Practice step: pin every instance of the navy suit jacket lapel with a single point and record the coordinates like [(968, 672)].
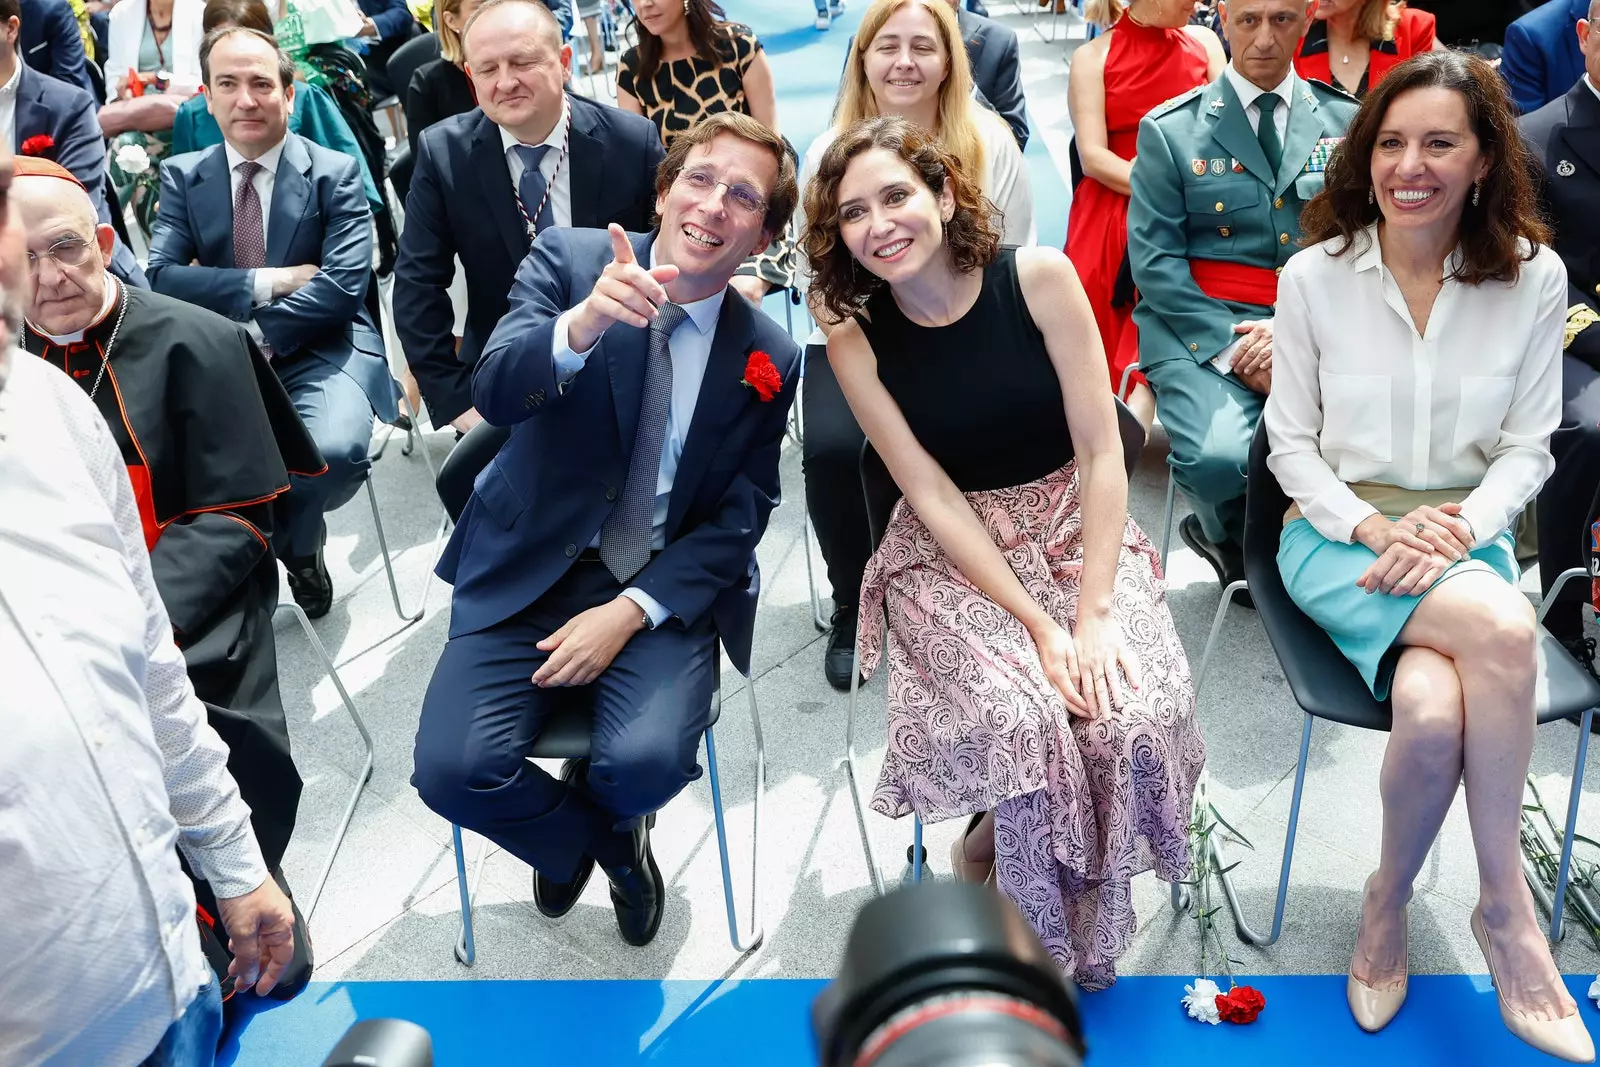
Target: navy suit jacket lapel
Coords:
[(31, 117), (291, 193), (1582, 129), (211, 202), (722, 396), (586, 158), (627, 352), (494, 179)]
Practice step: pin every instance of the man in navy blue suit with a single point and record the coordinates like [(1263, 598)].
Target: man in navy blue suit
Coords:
[(1541, 58), (52, 44), (56, 121), (594, 165), (273, 231), (612, 541)]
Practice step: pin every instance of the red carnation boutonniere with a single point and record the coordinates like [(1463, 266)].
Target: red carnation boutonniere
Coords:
[(762, 376), (40, 144), (1241, 1004)]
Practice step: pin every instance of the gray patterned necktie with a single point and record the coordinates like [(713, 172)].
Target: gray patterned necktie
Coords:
[(625, 535), (249, 235)]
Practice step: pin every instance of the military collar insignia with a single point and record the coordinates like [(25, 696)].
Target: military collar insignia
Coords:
[(1566, 169)]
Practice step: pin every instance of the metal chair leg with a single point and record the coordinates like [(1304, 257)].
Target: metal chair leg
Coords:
[(1573, 797), (466, 947), (1555, 590), (1245, 932), (916, 849), (365, 776), (388, 561), (1166, 523), (850, 772), (1216, 628), (817, 619), (741, 943)]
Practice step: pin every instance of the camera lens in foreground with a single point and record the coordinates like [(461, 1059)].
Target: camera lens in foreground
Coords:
[(947, 975)]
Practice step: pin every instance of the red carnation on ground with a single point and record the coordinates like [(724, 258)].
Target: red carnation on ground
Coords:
[(40, 144), (762, 376), (1241, 1004)]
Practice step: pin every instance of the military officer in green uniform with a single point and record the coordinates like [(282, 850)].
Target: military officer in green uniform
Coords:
[(1218, 183)]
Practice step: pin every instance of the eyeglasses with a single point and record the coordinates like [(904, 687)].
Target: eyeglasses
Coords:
[(744, 197), (69, 252)]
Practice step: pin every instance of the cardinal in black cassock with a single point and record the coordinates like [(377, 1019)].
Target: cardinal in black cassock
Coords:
[(210, 438)]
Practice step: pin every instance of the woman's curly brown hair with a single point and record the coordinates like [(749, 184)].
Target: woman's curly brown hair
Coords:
[(1507, 211), (970, 236)]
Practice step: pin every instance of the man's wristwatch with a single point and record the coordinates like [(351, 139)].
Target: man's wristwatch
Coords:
[(646, 622)]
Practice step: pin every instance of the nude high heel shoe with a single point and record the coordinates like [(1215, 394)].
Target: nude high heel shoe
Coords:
[(1565, 1038), (1373, 1009), (969, 870)]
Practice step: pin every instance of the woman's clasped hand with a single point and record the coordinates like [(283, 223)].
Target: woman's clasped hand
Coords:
[(1083, 666), (1415, 550)]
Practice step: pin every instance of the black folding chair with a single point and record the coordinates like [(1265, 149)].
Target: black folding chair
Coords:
[(1327, 686), (882, 494), (567, 734)]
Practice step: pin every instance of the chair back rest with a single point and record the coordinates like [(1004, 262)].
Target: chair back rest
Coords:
[(1074, 165), (423, 48), (461, 467), (882, 494), (1322, 680), (1133, 436)]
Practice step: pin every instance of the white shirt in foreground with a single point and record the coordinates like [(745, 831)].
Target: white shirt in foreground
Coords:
[(1358, 396), (107, 760), (1005, 183)]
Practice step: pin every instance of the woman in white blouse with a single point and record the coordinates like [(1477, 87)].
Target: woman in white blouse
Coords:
[(908, 59), (1416, 381)]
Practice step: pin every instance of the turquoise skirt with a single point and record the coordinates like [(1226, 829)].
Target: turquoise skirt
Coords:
[(1320, 576)]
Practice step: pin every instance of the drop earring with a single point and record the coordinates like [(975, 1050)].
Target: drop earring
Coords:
[(1477, 191), (1371, 198), (686, 6)]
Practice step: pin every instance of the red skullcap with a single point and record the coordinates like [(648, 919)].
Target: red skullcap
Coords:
[(36, 166)]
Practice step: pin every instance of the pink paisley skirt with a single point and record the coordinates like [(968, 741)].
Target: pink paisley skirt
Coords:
[(1081, 805)]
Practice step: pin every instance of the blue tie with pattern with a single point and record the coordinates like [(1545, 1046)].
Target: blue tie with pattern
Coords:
[(625, 535), (532, 187)]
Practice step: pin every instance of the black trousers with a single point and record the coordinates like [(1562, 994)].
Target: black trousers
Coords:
[(482, 714), (832, 464), (1569, 503)]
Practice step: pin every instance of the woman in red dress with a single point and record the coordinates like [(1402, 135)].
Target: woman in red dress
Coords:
[(1352, 43), (1150, 55)]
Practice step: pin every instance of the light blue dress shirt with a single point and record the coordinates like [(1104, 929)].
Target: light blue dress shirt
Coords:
[(690, 346)]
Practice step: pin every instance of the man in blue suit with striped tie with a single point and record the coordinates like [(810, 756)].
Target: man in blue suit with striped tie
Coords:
[(611, 542)]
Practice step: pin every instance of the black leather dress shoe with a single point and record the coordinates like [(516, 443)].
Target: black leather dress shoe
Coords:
[(841, 654), (310, 584), (1226, 559), (554, 899), (638, 893)]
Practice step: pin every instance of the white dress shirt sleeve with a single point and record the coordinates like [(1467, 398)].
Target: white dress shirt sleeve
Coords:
[(1520, 460), (567, 362), (213, 821), (658, 612), (1293, 416)]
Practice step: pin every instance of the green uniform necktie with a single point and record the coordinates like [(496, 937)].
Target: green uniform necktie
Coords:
[(1267, 130)]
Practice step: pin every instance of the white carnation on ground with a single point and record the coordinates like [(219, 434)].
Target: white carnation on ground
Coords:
[(1200, 1000), (132, 159)]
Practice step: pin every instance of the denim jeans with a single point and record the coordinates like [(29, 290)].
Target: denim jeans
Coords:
[(192, 1040)]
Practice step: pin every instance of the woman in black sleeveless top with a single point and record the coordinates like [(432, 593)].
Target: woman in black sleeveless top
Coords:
[(1036, 682)]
